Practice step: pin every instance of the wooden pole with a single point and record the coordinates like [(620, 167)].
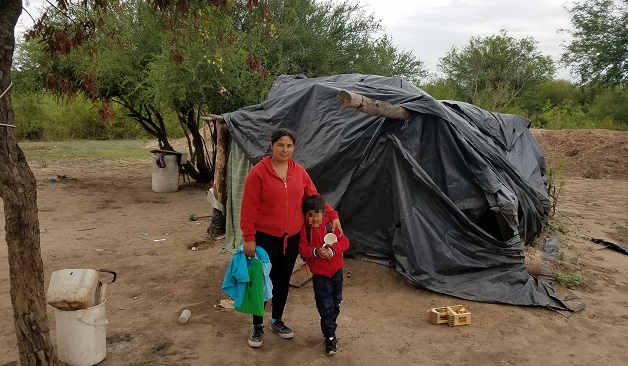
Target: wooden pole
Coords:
[(222, 137), (371, 106)]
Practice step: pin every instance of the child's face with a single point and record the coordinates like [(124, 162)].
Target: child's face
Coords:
[(314, 218)]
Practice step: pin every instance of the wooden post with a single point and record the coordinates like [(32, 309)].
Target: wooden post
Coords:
[(222, 137), (372, 107), (217, 226)]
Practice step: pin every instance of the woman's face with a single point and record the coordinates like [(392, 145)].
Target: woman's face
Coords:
[(282, 149)]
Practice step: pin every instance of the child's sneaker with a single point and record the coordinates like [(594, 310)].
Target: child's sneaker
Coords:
[(280, 328), (256, 338), (331, 345)]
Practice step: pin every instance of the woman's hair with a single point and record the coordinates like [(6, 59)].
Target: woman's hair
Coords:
[(281, 132), (314, 203)]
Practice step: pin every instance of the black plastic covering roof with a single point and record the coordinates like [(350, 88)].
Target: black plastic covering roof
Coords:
[(452, 194)]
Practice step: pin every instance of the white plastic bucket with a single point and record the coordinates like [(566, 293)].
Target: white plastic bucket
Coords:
[(82, 335), (166, 179)]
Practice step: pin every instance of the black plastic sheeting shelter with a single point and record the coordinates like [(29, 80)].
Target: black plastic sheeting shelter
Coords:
[(452, 194)]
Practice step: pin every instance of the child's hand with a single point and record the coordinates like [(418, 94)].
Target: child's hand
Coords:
[(325, 253)]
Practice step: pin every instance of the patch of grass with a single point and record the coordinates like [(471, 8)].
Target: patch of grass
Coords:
[(538, 242), (592, 174), (107, 149), (575, 260), (569, 280), (561, 255), (554, 185), (557, 226)]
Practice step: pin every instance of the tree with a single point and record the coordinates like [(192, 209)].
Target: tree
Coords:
[(440, 89), (491, 72), (18, 190), (111, 65), (320, 38), (598, 51), (556, 92), (141, 58), (610, 103)]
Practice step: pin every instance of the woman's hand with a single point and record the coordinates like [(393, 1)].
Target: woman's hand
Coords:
[(335, 224), (249, 248)]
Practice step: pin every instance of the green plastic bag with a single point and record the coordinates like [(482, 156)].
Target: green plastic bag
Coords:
[(253, 301)]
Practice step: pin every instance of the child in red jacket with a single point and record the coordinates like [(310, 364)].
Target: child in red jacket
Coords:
[(325, 262)]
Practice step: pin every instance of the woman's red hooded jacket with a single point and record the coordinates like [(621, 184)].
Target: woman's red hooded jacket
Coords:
[(273, 206)]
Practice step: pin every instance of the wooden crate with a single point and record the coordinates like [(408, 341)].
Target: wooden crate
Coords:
[(437, 315), (458, 315)]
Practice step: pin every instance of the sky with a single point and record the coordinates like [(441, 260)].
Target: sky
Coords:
[(430, 28)]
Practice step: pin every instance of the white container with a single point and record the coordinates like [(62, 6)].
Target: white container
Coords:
[(165, 179), (330, 239), (82, 335), (185, 316), (72, 289)]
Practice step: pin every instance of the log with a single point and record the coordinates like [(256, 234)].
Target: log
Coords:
[(212, 118), (371, 106), (222, 137)]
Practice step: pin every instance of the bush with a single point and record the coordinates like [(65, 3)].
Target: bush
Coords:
[(40, 116), (571, 281)]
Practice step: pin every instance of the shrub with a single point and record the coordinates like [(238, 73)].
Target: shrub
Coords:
[(571, 280)]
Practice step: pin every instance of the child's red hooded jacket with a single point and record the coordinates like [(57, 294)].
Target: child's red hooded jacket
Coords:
[(273, 206), (318, 265)]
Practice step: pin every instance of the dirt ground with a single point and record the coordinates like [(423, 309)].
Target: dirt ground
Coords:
[(106, 216)]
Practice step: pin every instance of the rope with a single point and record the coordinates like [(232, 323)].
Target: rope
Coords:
[(2, 95), (4, 92)]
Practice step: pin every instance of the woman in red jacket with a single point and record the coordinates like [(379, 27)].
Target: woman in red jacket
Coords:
[(272, 217)]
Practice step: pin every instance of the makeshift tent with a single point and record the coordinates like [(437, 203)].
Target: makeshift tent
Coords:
[(452, 193)]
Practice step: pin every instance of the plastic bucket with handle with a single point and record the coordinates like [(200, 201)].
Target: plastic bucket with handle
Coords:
[(82, 335)]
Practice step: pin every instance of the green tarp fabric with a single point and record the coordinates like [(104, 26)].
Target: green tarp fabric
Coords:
[(238, 167)]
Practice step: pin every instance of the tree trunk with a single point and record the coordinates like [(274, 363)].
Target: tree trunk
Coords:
[(200, 170), (19, 196)]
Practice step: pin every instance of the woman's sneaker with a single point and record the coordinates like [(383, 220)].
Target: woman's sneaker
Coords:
[(280, 328), (331, 345), (256, 338)]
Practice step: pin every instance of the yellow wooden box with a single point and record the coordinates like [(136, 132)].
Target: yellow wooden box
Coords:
[(437, 315), (458, 315)]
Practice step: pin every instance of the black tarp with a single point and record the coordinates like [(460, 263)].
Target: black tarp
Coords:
[(452, 194)]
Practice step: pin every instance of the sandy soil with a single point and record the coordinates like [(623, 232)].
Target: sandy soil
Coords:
[(99, 217)]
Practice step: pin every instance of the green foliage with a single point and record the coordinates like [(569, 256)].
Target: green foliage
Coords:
[(40, 116), (575, 260), (215, 76), (554, 92), (198, 58), (557, 104), (598, 50), (441, 89), (491, 72), (554, 185), (610, 104), (557, 226), (320, 38), (570, 280), (562, 116)]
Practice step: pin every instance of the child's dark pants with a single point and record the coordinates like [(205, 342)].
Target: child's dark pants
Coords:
[(328, 295), (281, 270)]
